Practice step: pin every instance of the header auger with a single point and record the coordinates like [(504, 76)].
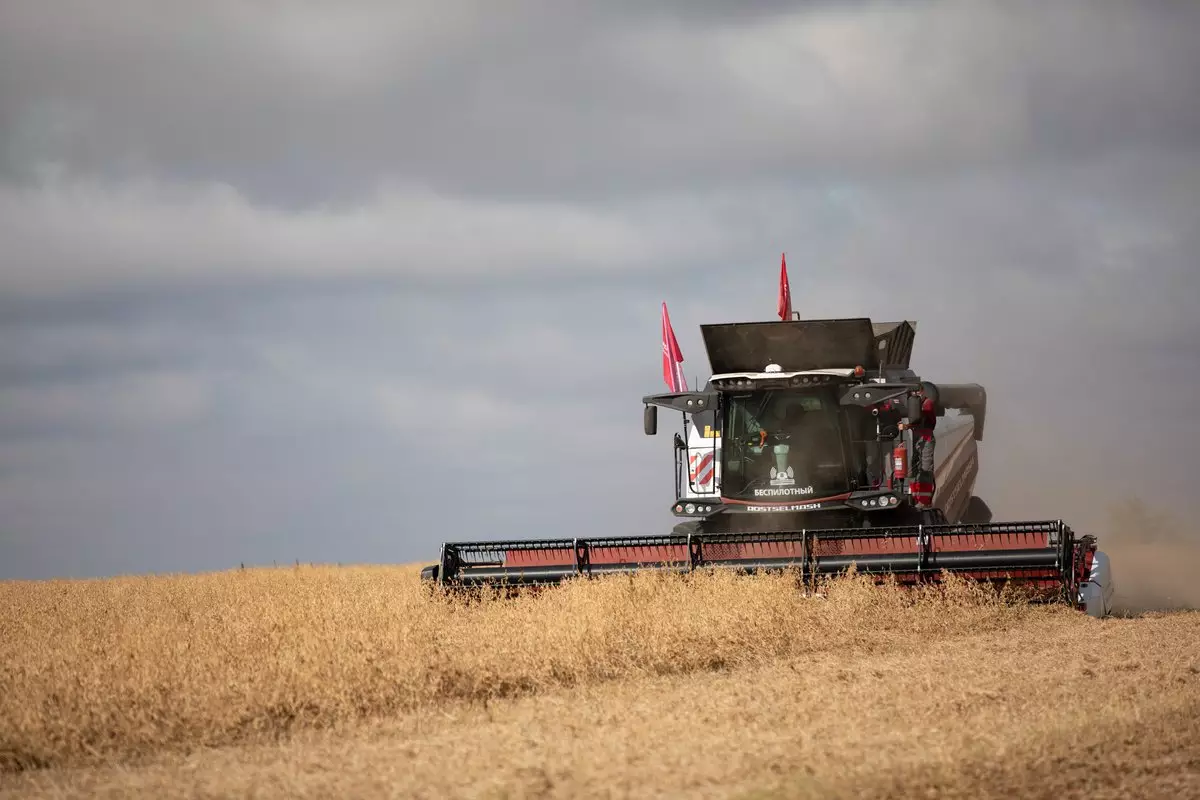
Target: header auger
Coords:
[(814, 446)]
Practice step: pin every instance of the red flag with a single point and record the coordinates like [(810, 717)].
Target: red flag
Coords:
[(785, 291), (672, 358)]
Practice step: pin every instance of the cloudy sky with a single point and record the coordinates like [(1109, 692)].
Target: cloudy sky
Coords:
[(334, 282)]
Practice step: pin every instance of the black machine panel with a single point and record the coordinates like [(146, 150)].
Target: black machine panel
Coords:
[(807, 344)]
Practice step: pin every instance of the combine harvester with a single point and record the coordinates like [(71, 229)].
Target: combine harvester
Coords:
[(814, 446)]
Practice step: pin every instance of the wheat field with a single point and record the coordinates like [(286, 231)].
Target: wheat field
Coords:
[(357, 681)]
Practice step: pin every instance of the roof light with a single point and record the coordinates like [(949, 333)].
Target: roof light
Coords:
[(859, 372)]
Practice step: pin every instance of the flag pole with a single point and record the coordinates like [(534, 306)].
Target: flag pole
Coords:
[(785, 291), (672, 356)]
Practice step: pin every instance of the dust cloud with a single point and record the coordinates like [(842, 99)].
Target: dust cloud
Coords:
[(1048, 466), (1154, 558)]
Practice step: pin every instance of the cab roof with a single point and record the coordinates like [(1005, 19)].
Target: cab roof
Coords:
[(800, 345)]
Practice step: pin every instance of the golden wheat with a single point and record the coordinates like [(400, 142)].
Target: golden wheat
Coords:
[(648, 685), (124, 667)]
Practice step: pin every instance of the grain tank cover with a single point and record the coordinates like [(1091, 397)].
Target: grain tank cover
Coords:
[(794, 346), (894, 343)]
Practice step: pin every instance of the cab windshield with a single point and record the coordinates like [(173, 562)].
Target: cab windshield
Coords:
[(782, 444)]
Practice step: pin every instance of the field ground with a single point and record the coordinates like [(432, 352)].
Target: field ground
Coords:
[(351, 682)]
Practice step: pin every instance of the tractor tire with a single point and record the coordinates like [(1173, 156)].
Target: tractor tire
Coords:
[(977, 512)]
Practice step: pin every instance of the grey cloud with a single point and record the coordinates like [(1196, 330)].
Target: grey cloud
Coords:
[(63, 237), (74, 237), (574, 100), (335, 443), (145, 401), (708, 134)]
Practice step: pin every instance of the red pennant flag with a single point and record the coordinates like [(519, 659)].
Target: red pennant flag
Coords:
[(672, 358), (785, 291)]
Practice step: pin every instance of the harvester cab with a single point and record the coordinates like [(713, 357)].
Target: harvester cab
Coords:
[(823, 418), (815, 447)]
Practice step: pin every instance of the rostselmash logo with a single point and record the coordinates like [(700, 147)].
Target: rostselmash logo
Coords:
[(797, 507), (795, 490), (782, 477)]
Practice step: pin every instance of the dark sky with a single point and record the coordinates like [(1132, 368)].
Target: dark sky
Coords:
[(337, 282)]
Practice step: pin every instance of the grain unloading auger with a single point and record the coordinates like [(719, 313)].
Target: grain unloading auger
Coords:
[(814, 446)]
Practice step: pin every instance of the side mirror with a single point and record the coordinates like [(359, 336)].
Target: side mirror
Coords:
[(650, 420), (914, 407), (680, 444)]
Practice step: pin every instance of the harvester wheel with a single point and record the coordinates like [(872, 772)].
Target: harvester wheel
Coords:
[(977, 512)]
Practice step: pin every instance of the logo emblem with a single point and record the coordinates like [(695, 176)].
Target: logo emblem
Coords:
[(782, 477)]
